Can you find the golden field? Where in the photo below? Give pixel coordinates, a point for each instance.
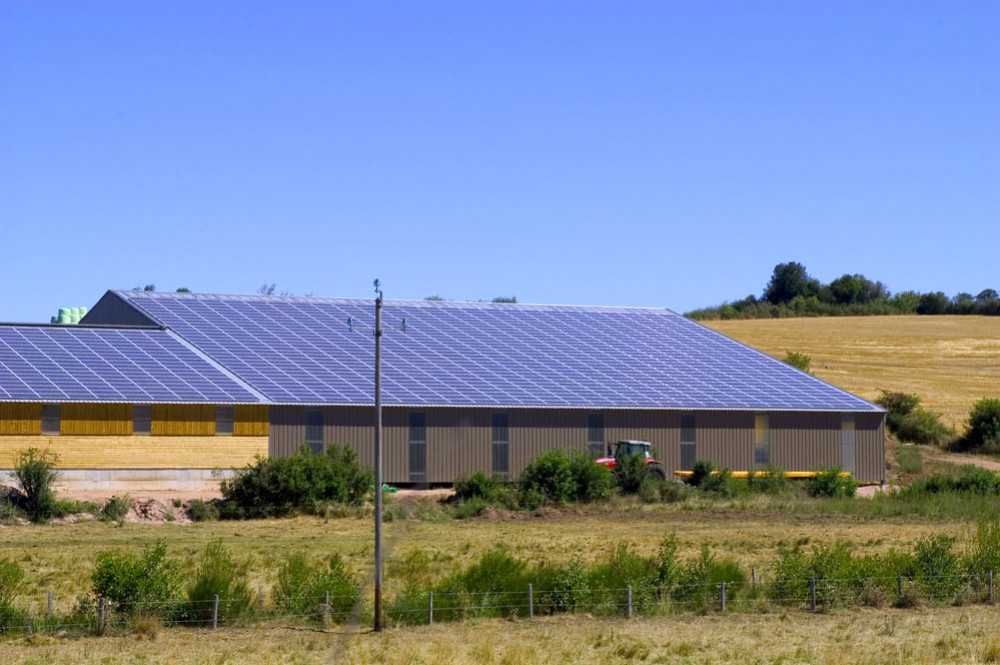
(948, 361)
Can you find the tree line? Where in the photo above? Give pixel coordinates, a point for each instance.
(791, 291)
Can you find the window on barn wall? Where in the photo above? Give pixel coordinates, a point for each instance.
(418, 446)
(595, 433)
(314, 429)
(51, 419)
(142, 419)
(689, 446)
(762, 441)
(224, 421)
(501, 444)
(848, 440)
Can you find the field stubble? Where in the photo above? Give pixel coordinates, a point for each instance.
(948, 361)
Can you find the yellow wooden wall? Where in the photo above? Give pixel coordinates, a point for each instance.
(139, 452)
(19, 418)
(96, 419)
(183, 420)
(250, 420)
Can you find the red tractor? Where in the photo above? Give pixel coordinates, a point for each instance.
(624, 449)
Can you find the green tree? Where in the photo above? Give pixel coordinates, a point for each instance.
(790, 280)
(505, 299)
(984, 423)
(849, 289)
(933, 303)
(987, 295)
(799, 360)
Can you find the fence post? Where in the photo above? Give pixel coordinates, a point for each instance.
(753, 576)
(531, 600)
(722, 596)
(215, 611)
(989, 580)
(899, 586)
(430, 608)
(49, 614)
(812, 594)
(100, 616)
(326, 607)
(628, 601)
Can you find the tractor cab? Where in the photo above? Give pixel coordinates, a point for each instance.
(628, 448)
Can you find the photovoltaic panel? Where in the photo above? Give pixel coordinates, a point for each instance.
(300, 350)
(79, 364)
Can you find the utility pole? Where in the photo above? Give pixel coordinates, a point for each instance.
(378, 458)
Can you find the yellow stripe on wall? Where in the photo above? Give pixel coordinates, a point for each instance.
(96, 419)
(250, 420)
(20, 419)
(139, 452)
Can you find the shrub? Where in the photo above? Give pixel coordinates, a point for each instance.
(145, 582)
(984, 553)
(558, 477)
(798, 360)
(302, 588)
(473, 507)
(625, 568)
(478, 486)
(829, 483)
(202, 511)
(938, 567)
(701, 470)
(281, 486)
(976, 480)
(909, 422)
(593, 481)
(34, 471)
(116, 509)
(698, 582)
(11, 577)
(629, 472)
(719, 483)
(218, 574)
(984, 423)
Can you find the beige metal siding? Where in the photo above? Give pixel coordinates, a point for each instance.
(287, 431)
(660, 428)
(870, 446)
(459, 443)
(532, 431)
(354, 427)
(805, 441)
(726, 438)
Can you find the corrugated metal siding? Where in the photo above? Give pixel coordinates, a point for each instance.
(660, 428)
(533, 431)
(726, 438)
(870, 446)
(139, 452)
(183, 420)
(96, 419)
(287, 430)
(459, 443)
(250, 420)
(354, 427)
(804, 441)
(20, 419)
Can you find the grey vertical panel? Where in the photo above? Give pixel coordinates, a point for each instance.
(848, 444)
(533, 431)
(287, 430)
(660, 428)
(459, 443)
(726, 438)
(869, 431)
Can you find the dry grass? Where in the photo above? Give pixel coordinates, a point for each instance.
(916, 637)
(949, 361)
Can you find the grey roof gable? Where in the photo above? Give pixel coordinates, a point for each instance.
(299, 350)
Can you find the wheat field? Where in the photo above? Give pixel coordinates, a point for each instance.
(948, 361)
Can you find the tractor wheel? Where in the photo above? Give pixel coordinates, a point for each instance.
(656, 471)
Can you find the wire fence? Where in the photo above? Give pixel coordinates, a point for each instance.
(99, 616)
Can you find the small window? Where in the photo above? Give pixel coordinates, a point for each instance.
(595, 433)
(224, 421)
(501, 444)
(314, 428)
(762, 441)
(689, 445)
(142, 419)
(51, 419)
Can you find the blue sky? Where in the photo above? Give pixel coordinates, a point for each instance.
(614, 153)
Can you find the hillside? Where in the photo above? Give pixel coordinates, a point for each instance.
(948, 361)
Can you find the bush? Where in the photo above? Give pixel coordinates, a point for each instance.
(909, 422)
(302, 588)
(137, 583)
(719, 483)
(984, 424)
(202, 511)
(770, 480)
(219, 575)
(478, 486)
(273, 487)
(829, 483)
(11, 577)
(117, 508)
(34, 471)
(938, 567)
(977, 480)
(701, 470)
(629, 473)
(798, 360)
(558, 477)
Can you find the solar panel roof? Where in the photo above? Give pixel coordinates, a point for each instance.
(299, 350)
(79, 364)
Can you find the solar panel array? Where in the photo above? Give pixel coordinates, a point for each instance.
(300, 350)
(74, 364)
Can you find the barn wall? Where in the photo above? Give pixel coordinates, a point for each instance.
(533, 431)
(660, 428)
(139, 452)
